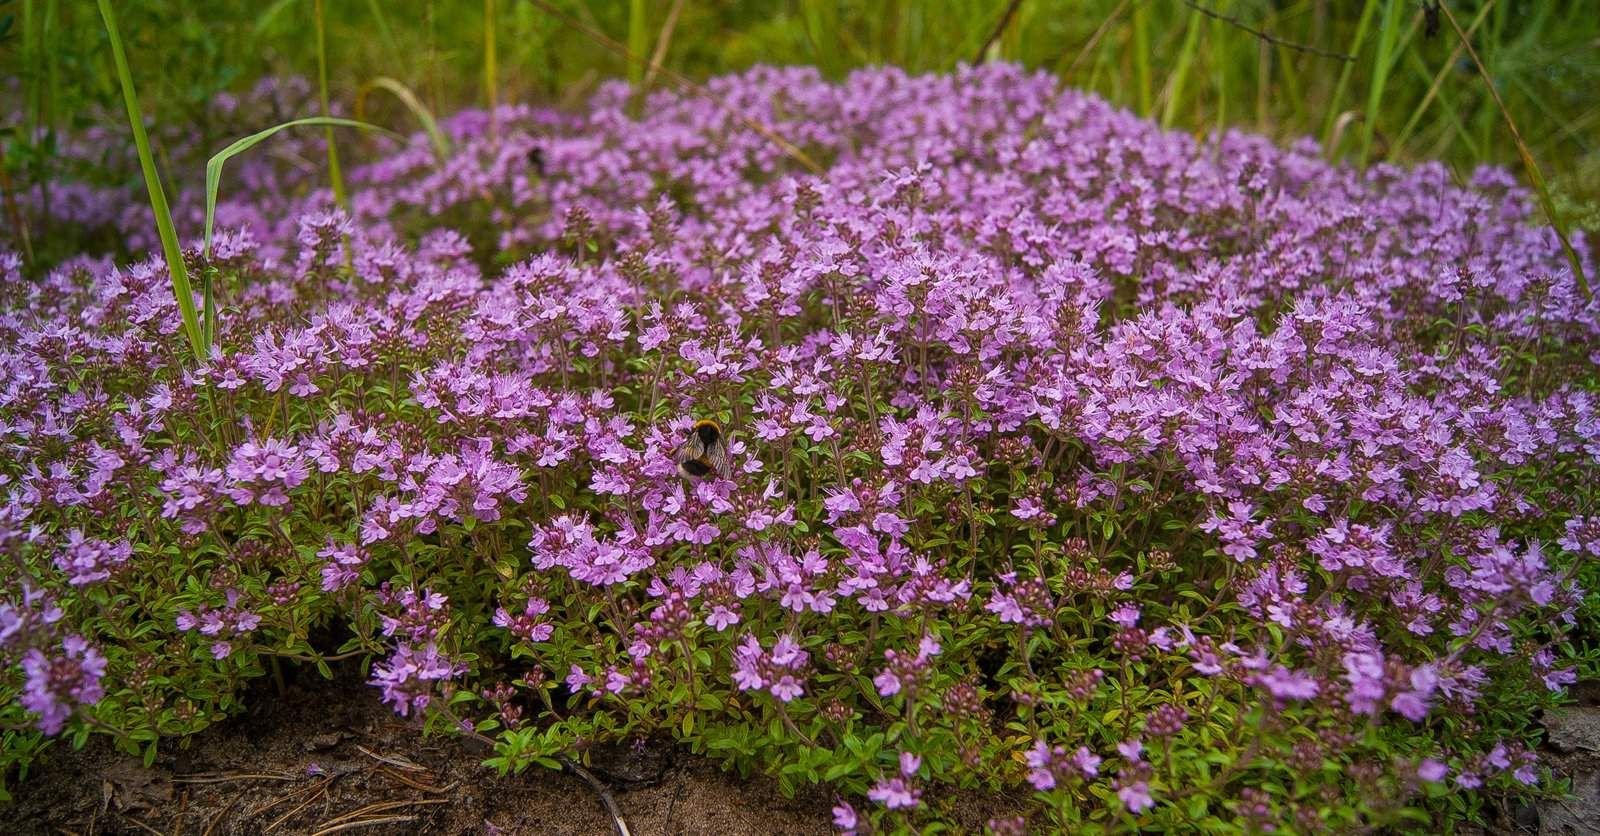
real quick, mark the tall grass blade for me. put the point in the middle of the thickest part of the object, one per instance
(170, 248)
(407, 97)
(239, 146)
(663, 42)
(491, 81)
(1438, 79)
(682, 82)
(1534, 175)
(1066, 71)
(638, 39)
(1336, 100)
(384, 31)
(208, 295)
(1180, 72)
(1141, 56)
(335, 176)
(1388, 38)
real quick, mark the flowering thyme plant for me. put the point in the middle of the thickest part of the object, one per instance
(1170, 483)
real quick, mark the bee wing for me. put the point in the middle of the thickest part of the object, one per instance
(717, 456)
(689, 449)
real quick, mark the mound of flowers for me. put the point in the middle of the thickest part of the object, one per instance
(1144, 480)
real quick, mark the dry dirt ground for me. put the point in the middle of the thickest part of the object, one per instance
(1572, 748)
(327, 757)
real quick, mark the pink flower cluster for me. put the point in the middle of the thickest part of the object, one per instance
(1056, 439)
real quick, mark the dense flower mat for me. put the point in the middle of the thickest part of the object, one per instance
(1162, 481)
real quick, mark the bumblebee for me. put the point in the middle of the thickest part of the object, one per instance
(704, 452)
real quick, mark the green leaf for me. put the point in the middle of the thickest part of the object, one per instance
(239, 146)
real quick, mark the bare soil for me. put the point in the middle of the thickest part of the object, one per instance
(327, 757)
(1572, 749)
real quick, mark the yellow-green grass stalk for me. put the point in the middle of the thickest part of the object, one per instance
(1141, 55)
(1331, 117)
(1383, 62)
(638, 40)
(407, 97)
(1180, 71)
(384, 32)
(1438, 79)
(1292, 89)
(171, 250)
(1218, 51)
(335, 176)
(491, 80)
(1535, 176)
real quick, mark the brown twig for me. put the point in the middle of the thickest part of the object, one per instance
(364, 823)
(217, 819)
(311, 793)
(1527, 156)
(1094, 39)
(382, 807)
(224, 778)
(183, 808)
(1268, 36)
(413, 783)
(617, 823)
(999, 29)
(145, 826)
(681, 81)
(662, 40)
(392, 760)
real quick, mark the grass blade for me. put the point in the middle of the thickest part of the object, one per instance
(1141, 56)
(491, 81)
(1388, 38)
(335, 176)
(376, 9)
(1335, 101)
(1532, 167)
(1180, 73)
(170, 248)
(663, 41)
(638, 39)
(1438, 79)
(239, 146)
(407, 97)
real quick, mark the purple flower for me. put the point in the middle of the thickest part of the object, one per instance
(408, 676)
(781, 671)
(845, 818)
(87, 561)
(57, 682)
(1136, 796)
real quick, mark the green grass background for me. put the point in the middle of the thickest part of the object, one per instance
(1409, 92)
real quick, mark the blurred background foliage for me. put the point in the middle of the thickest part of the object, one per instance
(1372, 79)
